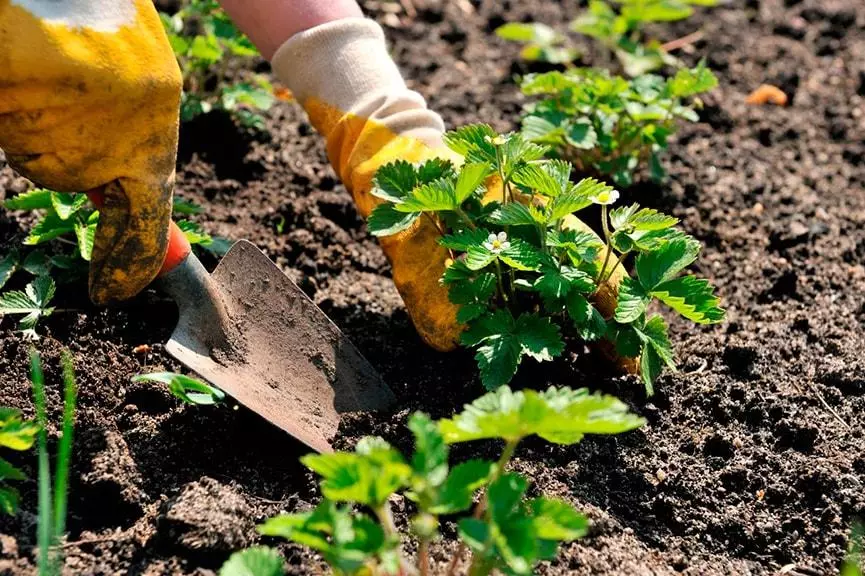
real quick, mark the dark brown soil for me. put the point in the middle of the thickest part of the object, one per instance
(754, 456)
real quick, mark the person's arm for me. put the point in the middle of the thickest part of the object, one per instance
(269, 23)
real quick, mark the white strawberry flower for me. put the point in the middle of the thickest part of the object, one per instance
(605, 197)
(497, 242)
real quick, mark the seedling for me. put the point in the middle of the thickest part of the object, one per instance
(202, 36)
(51, 524)
(524, 270)
(15, 434)
(189, 390)
(854, 563)
(542, 43)
(618, 27)
(607, 125)
(353, 529)
(69, 222)
(32, 304)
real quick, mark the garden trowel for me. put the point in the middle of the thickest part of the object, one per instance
(250, 331)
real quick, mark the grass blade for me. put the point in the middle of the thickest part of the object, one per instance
(64, 449)
(44, 526)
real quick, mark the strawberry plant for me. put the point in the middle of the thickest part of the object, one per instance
(618, 26)
(353, 529)
(187, 389)
(608, 125)
(542, 43)
(524, 271)
(69, 222)
(15, 434)
(202, 36)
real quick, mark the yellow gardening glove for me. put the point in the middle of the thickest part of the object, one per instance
(345, 79)
(89, 98)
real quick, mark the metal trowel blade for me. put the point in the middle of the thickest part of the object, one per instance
(286, 361)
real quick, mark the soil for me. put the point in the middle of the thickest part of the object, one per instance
(753, 460)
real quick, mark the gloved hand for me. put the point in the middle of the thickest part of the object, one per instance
(89, 99)
(343, 76)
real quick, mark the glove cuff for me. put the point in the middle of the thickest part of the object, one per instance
(343, 68)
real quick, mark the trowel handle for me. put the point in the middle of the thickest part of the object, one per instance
(178, 245)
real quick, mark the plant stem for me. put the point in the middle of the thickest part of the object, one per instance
(616, 265)
(423, 557)
(499, 280)
(465, 218)
(608, 241)
(44, 524)
(64, 448)
(385, 516)
(481, 506)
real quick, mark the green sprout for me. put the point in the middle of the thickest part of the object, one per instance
(619, 27)
(51, 521)
(607, 125)
(68, 222)
(507, 531)
(189, 390)
(525, 272)
(202, 36)
(542, 43)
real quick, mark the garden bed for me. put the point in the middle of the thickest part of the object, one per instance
(754, 455)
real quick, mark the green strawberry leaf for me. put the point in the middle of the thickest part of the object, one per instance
(35, 199)
(576, 198)
(692, 297)
(189, 390)
(516, 214)
(632, 301)
(559, 415)
(32, 302)
(8, 266)
(256, 561)
(462, 240)
(458, 490)
(471, 180)
(589, 322)
(474, 142)
(436, 196)
(663, 264)
(367, 476)
(557, 520)
(385, 220)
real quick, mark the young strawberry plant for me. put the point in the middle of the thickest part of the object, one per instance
(69, 222)
(608, 125)
(542, 43)
(619, 27)
(202, 36)
(187, 389)
(15, 434)
(524, 270)
(353, 528)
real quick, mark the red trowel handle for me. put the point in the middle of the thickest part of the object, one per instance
(178, 245)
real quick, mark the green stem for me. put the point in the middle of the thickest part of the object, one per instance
(385, 517)
(478, 564)
(423, 557)
(608, 242)
(613, 269)
(465, 218)
(45, 526)
(504, 294)
(64, 448)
